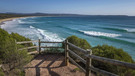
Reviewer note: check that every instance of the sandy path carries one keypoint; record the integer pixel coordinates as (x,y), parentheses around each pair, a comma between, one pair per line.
(50,65)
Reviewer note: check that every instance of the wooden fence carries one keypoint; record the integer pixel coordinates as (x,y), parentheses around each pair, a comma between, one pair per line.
(39,45)
(89,57)
(87,62)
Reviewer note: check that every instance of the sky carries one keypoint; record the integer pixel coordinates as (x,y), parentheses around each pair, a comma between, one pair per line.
(85,7)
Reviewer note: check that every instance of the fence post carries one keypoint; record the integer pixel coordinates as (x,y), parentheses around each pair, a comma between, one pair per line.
(39,49)
(15,44)
(66,53)
(88,63)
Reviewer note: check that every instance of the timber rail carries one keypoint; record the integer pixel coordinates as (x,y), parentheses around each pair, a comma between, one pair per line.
(87,54)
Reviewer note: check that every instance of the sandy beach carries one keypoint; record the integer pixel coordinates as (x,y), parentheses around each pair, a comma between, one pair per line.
(10,19)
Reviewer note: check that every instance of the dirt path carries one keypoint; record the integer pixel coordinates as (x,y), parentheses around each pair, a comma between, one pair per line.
(51,65)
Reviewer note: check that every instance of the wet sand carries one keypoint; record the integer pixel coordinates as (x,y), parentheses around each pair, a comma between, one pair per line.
(10,19)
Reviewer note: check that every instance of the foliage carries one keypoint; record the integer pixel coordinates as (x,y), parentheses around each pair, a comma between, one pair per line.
(3,16)
(1,73)
(8,52)
(77,69)
(18,72)
(55,50)
(103,51)
(20,38)
(82,43)
(112,53)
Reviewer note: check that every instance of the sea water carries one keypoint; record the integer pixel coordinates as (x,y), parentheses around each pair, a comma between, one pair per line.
(118,31)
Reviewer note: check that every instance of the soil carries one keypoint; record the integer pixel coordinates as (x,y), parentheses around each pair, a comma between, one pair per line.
(51,65)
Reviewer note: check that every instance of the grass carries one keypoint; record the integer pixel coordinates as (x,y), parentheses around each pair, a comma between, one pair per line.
(77,69)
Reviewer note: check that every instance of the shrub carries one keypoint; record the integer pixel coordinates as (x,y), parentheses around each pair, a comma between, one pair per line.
(1,73)
(112,53)
(82,43)
(8,52)
(103,51)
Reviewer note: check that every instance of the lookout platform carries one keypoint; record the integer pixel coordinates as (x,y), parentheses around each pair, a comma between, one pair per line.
(51,65)
(59,65)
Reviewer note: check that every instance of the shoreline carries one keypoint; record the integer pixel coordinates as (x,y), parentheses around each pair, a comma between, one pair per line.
(7,19)
(10,19)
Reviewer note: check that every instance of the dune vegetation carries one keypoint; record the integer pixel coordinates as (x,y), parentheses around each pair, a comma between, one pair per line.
(4,16)
(103,51)
(9,55)
(15,59)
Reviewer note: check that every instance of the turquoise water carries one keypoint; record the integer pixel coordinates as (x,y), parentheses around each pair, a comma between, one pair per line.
(118,31)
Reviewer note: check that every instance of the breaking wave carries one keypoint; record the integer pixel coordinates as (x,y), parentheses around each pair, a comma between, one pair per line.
(94,33)
(32,27)
(121,29)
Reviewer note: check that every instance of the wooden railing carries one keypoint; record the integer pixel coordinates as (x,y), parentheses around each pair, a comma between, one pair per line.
(39,45)
(87,62)
(46,46)
(89,57)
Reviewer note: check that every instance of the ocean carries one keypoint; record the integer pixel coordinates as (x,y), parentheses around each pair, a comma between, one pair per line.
(118,31)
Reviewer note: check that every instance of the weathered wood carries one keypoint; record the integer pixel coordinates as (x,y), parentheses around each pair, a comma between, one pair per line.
(53,52)
(16,44)
(0,66)
(72,45)
(26,42)
(77,56)
(66,53)
(77,64)
(111,61)
(102,72)
(3,68)
(28,47)
(90,58)
(88,63)
(49,42)
(39,46)
(49,47)
(33,52)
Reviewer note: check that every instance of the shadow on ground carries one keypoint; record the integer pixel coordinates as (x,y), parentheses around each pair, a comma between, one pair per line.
(50,65)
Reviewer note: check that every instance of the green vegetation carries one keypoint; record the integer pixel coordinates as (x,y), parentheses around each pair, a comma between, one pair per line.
(18,72)
(77,69)
(55,50)
(103,51)
(8,52)
(17,59)
(112,53)
(1,73)
(82,43)
(4,16)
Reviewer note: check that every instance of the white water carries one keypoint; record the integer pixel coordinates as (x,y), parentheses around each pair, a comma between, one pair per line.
(94,33)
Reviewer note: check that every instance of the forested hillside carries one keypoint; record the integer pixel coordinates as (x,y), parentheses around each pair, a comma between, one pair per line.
(4,16)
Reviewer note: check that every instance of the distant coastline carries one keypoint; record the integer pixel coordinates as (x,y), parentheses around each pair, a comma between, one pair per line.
(10,19)
(7,19)
(23,15)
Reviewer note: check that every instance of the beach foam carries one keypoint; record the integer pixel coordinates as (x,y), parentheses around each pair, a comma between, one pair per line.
(49,36)
(130,30)
(22,22)
(94,33)
(32,27)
